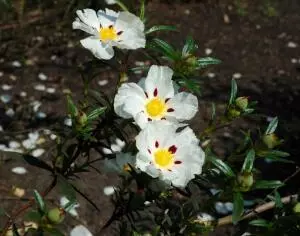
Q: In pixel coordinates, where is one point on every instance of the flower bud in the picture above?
(233, 113)
(242, 103)
(245, 181)
(296, 208)
(56, 215)
(270, 140)
(82, 118)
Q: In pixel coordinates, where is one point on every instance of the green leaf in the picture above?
(260, 223)
(189, 84)
(233, 91)
(164, 48)
(266, 184)
(142, 10)
(249, 161)
(238, 207)
(222, 166)
(275, 156)
(96, 113)
(206, 61)
(272, 126)
(189, 46)
(33, 215)
(278, 202)
(39, 200)
(213, 111)
(36, 162)
(72, 109)
(161, 28)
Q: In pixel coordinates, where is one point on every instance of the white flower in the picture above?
(174, 157)
(121, 164)
(108, 29)
(70, 209)
(80, 230)
(110, 2)
(155, 98)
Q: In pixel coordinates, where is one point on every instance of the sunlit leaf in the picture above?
(272, 126)
(206, 61)
(39, 200)
(189, 46)
(233, 91)
(161, 28)
(164, 48)
(96, 113)
(221, 165)
(249, 161)
(260, 223)
(266, 184)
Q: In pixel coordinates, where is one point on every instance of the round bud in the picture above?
(270, 140)
(296, 208)
(56, 215)
(245, 181)
(242, 103)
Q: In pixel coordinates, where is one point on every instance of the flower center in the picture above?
(155, 107)
(127, 168)
(108, 33)
(163, 157)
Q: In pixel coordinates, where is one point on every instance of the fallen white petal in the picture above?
(103, 82)
(108, 190)
(237, 75)
(6, 87)
(5, 98)
(68, 122)
(291, 45)
(1, 73)
(294, 60)
(19, 170)
(208, 51)
(1, 128)
(107, 151)
(41, 115)
(37, 152)
(50, 90)
(42, 76)
(40, 87)
(23, 94)
(14, 144)
(16, 64)
(71, 209)
(53, 136)
(10, 112)
(211, 75)
(80, 230)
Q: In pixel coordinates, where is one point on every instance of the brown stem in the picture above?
(12, 218)
(262, 208)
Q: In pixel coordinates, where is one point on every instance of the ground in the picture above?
(260, 50)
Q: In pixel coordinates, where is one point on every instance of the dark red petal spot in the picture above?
(163, 118)
(169, 170)
(170, 110)
(146, 94)
(156, 144)
(120, 32)
(177, 162)
(149, 119)
(149, 151)
(155, 92)
(172, 149)
(167, 99)
(110, 26)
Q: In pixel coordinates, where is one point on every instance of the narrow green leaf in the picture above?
(189, 46)
(260, 223)
(249, 161)
(96, 113)
(66, 189)
(33, 215)
(72, 109)
(161, 28)
(266, 184)
(222, 166)
(278, 202)
(36, 162)
(233, 91)
(213, 111)
(272, 126)
(206, 61)
(142, 10)
(238, 207)
(39, 200)
(164, 48)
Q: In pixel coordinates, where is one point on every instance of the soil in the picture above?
(254, 45)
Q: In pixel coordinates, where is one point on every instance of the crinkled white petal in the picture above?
(19, 170)
(129, 100)
(107, 17)
(160, 78)
(89, 17)
(99, 49)
(80, 230)
(185, 106)
(77, 24)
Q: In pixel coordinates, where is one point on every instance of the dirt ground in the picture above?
(263, 49)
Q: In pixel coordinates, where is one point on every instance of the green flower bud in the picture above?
(233, 113)
(245, 181)
(56, 215)
(270, 140)
(296, 208)
(242, 103)
(82, 118)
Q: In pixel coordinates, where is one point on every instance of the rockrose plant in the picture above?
(173, 178)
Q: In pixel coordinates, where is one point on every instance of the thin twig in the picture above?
(262, 208)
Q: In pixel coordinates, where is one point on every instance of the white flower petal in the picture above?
(107, 18)
(129, 100)
(160, 78)
(120, 143)
(89, 17)
(80, 230)
(185, 106)
(109, 190)
(19, 170)
(99, 49)
(107, 151)
(77, 24)
(115, 148)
